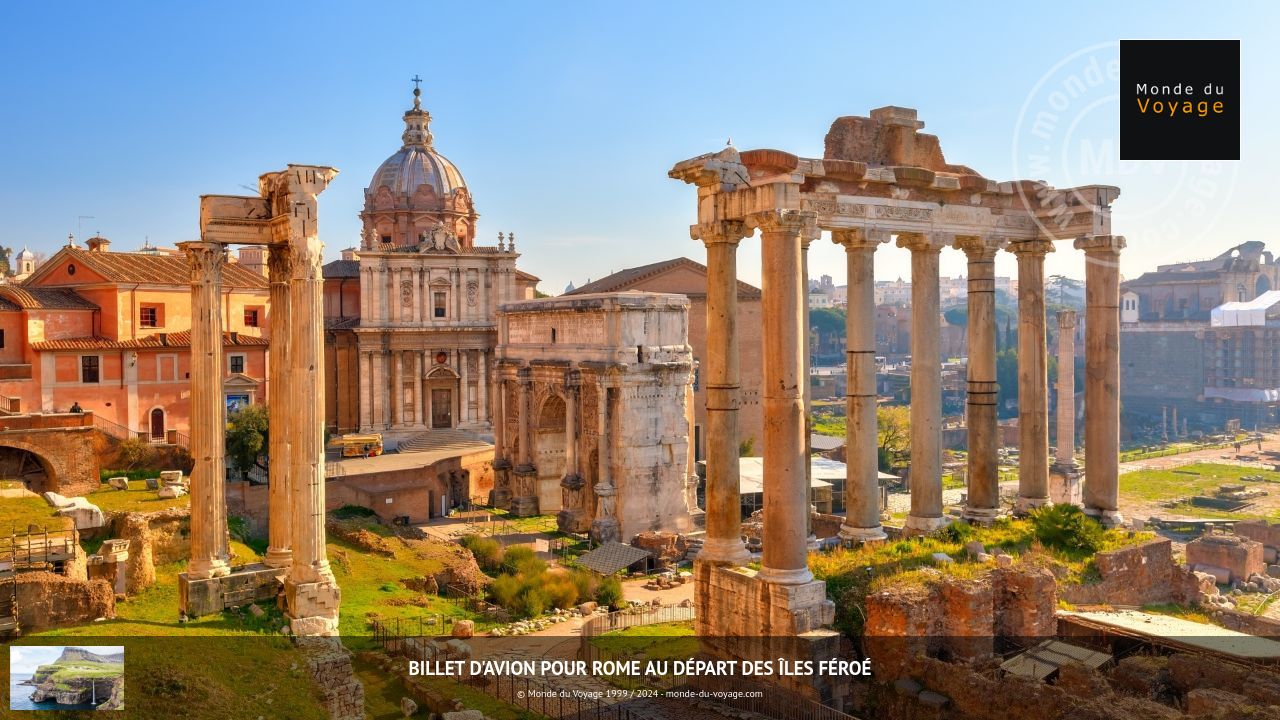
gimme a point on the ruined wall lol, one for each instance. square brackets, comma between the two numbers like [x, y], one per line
[47, 600]
[154, 539]
[1137, 575]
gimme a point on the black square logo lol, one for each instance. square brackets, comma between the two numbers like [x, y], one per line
[1179, 99]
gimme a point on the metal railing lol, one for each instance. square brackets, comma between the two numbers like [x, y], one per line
[116, 430]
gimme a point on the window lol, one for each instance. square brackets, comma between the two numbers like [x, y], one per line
[148, 317]
[439, 303]
[1, 339]
[251, 317]
[89, 368]
[236, 363]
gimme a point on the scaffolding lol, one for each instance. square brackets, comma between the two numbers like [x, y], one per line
[37, 549]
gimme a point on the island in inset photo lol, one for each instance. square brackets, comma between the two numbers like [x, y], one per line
[57, 677]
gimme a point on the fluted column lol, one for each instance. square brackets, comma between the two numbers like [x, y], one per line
[1033, 377]
[572, 517]
[983, 469]
[524, 501]
[926, 384]
[418, 417]
[786, 491]
[366, 391]
[806, 381]
[210, 544]
[464, 387]
[1102, 376]
[605, 526]
[482, 388]
[862, 468]
[1066, 445]
[378, 384]
[312, 595]
[397, 388]
[279, 398]
[723, 544]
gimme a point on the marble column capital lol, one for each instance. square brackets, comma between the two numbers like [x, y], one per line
[1100, 244]
[1030, 247]
[1066, 319]
[203, 257]
[860, 238]
[280, 259]
[923, 242]
[977, 248]
[801, 222]
[720, 232]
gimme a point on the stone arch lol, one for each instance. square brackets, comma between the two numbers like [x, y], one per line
[549, 451]
[29, 464]
[1261, 285]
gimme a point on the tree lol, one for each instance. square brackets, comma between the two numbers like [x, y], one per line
[247, 440]
[893, 433]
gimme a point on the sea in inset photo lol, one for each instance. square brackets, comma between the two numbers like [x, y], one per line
[58, 677]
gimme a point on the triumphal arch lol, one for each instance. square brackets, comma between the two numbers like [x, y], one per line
[881, 178]
[282, 218]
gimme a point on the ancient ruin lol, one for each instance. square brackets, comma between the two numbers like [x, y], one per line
[593, 406]
[881, 177]
[283, 219]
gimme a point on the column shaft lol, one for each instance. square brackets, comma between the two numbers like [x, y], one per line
[786, 491]
[397, 388]
[464, 387]
[366, 392]
[1102, 376]
[723, 545]
[926, 386]
[1033, 377]
[210, 544]
[1066, 446]
[983, 470]
[862, 467]
[279, 399]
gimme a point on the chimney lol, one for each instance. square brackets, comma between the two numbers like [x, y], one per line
[97, 243]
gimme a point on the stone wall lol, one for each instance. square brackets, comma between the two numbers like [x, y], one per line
[69, 455]
[47, 600]
[1137, 575]
[329, 665]
[1259, 531]
[1239, 556]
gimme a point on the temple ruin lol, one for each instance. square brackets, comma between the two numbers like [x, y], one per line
[881, 178]
[283, 219]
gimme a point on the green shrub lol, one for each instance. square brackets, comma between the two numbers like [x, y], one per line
[515, 556]
[486, 551]
[586, 583]
[561, 592]
[1067, 528]
[350, 512]
[610, 593]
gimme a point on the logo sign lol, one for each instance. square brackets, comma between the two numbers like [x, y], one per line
[1180, 99]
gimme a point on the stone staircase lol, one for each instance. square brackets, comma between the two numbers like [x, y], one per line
[442, 441]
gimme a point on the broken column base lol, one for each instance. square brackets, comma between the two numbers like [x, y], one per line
[572, 521]
[500, 496]
[741, 617]
[525, 504]
[862, 535]
[1065, 486]
[312, 607]
[917, 525]
[1108, 518]
[981, 515]
[1024, 506]
[606, 530]
[250, 584]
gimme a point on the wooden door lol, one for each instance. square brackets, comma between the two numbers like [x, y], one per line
[441, 409]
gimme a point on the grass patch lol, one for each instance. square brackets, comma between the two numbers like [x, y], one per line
[1182, 612]
[661, 641]
[1185, 481]
[136, 499]
[18, 513]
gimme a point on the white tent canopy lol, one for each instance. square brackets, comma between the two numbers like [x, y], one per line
[1239, 314]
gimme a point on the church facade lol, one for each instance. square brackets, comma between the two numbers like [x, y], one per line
[410, 315]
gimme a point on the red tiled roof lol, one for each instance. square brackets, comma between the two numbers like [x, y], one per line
[159, 340]
[157, 269]
[43, 298]
[627, 279]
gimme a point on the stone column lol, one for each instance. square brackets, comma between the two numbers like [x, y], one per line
[482, 388]
[983, 470]
[1033, 376]
[378, 389]
[524, 501]
[279, 401]
[366, 391]
[723, 544]
[862, 467]
[311, 595]
[1102, 376]
[786, 495]
[807, 386]
[572, 518]
[926, 384]
[501, 444]
[605, 528]
[418, 417]
[397, 388]
[464, 387]
[1064, 474]
[210, 543]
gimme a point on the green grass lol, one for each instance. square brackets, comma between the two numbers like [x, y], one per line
[136, 499]
[1182, 612]
[18, 513]
[1187, 480]
[661, 641]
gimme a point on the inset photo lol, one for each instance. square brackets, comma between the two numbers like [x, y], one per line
[63, 677]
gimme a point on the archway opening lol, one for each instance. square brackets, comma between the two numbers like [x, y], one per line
[549, 455]
[23, 468]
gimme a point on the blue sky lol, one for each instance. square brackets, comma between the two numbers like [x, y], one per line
[565, 117]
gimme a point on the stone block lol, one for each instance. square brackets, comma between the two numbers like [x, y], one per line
[171, 477]
[152, 483]
[463, 629]
[408, 706]
[942, 558]
[83, 513]
[171, 492]
[1241, 556]
[1259, 531]
[1221, 576]
[119, 483]
[975, 548]
[253, 583]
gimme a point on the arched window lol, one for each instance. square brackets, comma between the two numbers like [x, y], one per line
[157, 424]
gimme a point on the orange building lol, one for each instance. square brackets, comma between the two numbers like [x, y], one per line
[111, 332]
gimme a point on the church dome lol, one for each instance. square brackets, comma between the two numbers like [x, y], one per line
[417, 164]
